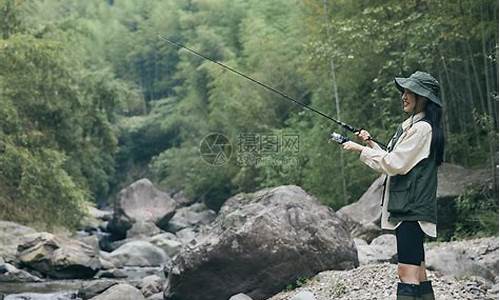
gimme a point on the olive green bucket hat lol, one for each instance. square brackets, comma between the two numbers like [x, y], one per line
[422, 84]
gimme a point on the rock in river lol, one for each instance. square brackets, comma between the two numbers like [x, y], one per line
[259, 243]
[59, 257]
[141, 202]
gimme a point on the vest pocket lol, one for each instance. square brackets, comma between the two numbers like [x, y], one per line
[401, 193]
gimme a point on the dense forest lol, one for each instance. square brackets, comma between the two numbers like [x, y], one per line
[91, 98]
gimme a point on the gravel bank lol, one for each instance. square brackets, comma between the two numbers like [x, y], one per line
[379, 281]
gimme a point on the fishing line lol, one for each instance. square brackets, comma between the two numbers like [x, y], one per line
[270, 88]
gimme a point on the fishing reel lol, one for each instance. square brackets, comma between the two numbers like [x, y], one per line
[336, 137]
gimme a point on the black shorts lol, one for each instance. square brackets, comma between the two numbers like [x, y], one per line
[410, 243]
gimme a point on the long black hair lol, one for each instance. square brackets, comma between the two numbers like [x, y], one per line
[433, 115]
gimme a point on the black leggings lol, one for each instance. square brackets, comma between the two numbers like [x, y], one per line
[410, 243]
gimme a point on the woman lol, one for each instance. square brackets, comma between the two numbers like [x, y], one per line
[410, 163]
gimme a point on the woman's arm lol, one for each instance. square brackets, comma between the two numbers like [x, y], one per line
[414, 147]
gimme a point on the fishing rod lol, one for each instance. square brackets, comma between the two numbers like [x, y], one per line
[270, 88]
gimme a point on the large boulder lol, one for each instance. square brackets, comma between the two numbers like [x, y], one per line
[454, 179]
[363, 216]
[59, 257]
[11, 235]
[181, 199]
[141, 201]
[477, 257]
[138, 254]
[259, 243]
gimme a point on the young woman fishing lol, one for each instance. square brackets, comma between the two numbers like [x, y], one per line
[410, 163]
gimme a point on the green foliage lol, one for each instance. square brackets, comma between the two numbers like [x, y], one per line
[184, 169]
[299, 282]
[10, 17]
[477, 213]
[37, 189]
[56, 131]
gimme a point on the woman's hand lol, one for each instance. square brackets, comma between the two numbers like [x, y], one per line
[363, 135]
[352, 146]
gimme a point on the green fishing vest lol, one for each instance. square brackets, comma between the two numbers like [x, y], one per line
[412, 197]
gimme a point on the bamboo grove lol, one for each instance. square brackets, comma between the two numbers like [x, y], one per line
[90, 96]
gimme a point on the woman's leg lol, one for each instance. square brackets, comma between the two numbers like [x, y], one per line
[409, 241]
[409, 273]
[422, 274]
[426, 291]
[410, 246]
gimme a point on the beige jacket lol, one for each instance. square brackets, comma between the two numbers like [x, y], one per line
[413, 146]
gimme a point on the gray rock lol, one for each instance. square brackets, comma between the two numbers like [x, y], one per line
[168, 242]
[3, 267]
[381, 249]
[141, 201]
[37, 296]
[259, 243]
[191, 216]
[151, 285]
[138, 253]
[181, 199]
[11, 235]
[94, 288]
[90, 240]
[454, 179]
[59, 257]
[363, 216]
[142, 229]
[103, 215]
[158, 296]
[304, 295]
[360, 242]
[240, 296]
[117, 244]
[478, 257]
[106, 264]
[9, 273]
[120, 292]
[186, 235]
